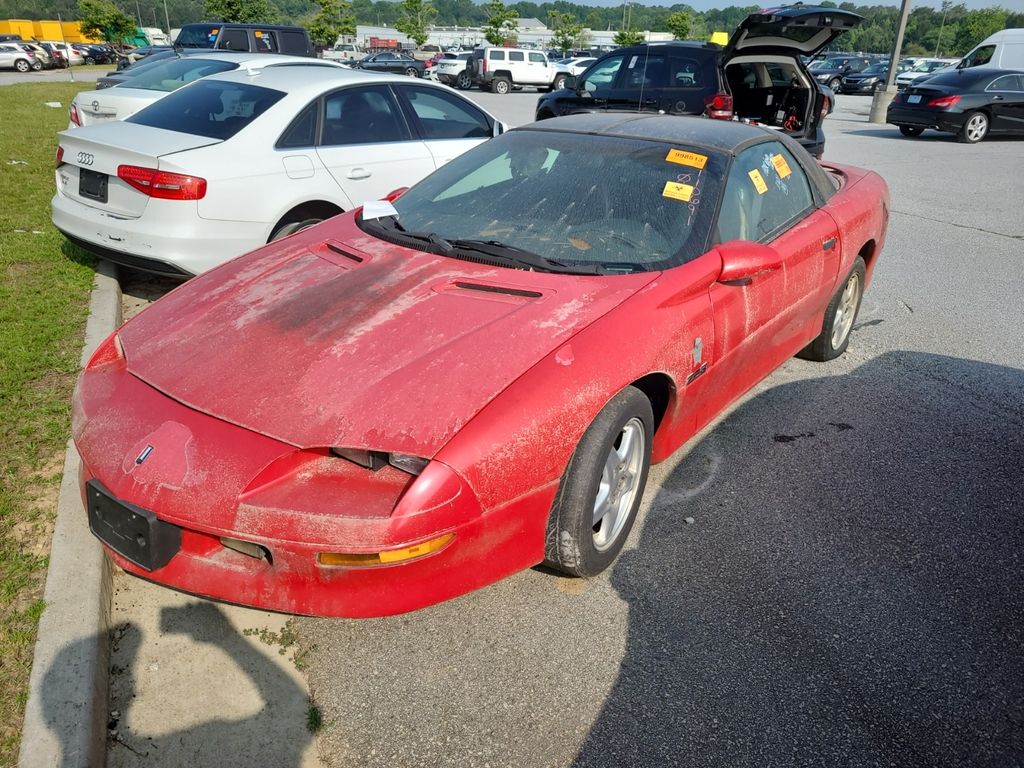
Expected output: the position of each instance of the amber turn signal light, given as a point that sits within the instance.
(387, 557)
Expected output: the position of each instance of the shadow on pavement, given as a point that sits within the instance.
(250, 741)
(851, 592)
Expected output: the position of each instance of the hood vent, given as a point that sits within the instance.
(499, 289)
(334, 248)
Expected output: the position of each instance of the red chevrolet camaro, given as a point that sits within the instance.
(425, 395)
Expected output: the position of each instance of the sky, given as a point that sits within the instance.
(703, 5)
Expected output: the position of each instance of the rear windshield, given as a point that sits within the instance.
(171, 75)
(619, 204)
(211, 108)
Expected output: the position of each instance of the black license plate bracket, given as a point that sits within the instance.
(133, 532)
(93, 185)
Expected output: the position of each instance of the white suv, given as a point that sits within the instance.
(453, 71)
(12, 56)
(501, 69)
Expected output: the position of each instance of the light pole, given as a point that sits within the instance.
(945, 9)
(167, 18)
(883, 98)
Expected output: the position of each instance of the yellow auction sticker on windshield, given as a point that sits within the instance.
(759, 185)
(677, 191)
(781, 166)
(691, 159)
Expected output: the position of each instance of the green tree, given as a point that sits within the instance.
(568, 31)
(501, 22)
(626, 37)
(679, 25)
(335, 18)
(103, 19)
(416, 15)
(242, 11)
(977, 26)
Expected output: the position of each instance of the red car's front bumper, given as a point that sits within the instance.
(214, 481)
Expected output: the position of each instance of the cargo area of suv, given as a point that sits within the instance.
(760, 75)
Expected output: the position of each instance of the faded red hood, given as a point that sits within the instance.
(395, 352)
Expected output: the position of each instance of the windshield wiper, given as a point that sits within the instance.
(494, 249)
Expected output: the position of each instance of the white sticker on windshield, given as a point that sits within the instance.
(378, 209)
(632, 62)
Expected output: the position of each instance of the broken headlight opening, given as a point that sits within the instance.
(375, 460)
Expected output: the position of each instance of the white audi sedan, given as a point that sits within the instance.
(235, 160)
(165, 76)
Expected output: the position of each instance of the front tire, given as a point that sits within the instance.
(834, 84)
(37, 65)
(911, 130)
(602, 487)
(501, 85)
(840, 316)
(974, 129)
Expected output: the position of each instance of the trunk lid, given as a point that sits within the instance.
(356, 342)
(92, 156)
(113, 104)
(796, 29)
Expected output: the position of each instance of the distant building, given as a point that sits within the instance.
(529, 32)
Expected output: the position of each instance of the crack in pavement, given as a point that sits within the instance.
(961, 226)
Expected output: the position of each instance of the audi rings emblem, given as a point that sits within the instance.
(86, 158)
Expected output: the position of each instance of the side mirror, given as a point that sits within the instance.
(745, 260)
(570, 83)
(499, 128)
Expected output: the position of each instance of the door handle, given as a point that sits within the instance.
(358, 173)
(997, 98)
(829, 244)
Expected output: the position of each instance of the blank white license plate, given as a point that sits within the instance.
(913, 99)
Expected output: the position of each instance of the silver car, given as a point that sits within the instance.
(13, 56)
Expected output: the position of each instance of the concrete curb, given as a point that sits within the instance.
(72, 647)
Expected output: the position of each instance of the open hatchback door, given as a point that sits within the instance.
(804, 29)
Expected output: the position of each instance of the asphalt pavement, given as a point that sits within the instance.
(849, 591)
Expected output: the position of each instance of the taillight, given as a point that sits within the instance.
(483, 64)
(719, 106)
(73, 115)
(944, 102)
(60, 157)
(161, 184)
(898, 98)
(825, 104)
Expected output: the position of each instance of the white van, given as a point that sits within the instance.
(1003, 50)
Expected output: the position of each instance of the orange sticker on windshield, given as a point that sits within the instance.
(579, 244)
(781, 166)
(691, 159)
(677, 191)
(759, 185)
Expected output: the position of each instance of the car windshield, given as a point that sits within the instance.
(171, 75)
(829, 64)
(564, 202)
(197, 36)
(211, 108)
(927, 66)
(876, 69)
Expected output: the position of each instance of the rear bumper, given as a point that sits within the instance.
(917, 117)
(169, 238)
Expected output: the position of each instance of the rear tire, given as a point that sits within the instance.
(840, 315)
(911, 130)
(22, 66)
(412, 72)
(975, 128)
(464, 82)
(559, 83)
(601, 489)
(501, 85)
(291, 227)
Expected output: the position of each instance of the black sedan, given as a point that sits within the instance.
(868, 81)
(399, 63)
(972, 103)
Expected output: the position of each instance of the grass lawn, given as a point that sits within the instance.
(44, 296)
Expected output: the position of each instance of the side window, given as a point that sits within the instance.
(602, 76)
(538, 58)
(445, 116)
(516, 56)
(649, 71)
(234, 40)
(1007, 83)
(980, 57)
(264, 41)
(686, 73)
(367, 115)
(495, 55)
(302, 131)
(293, 42)
(765, 194)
